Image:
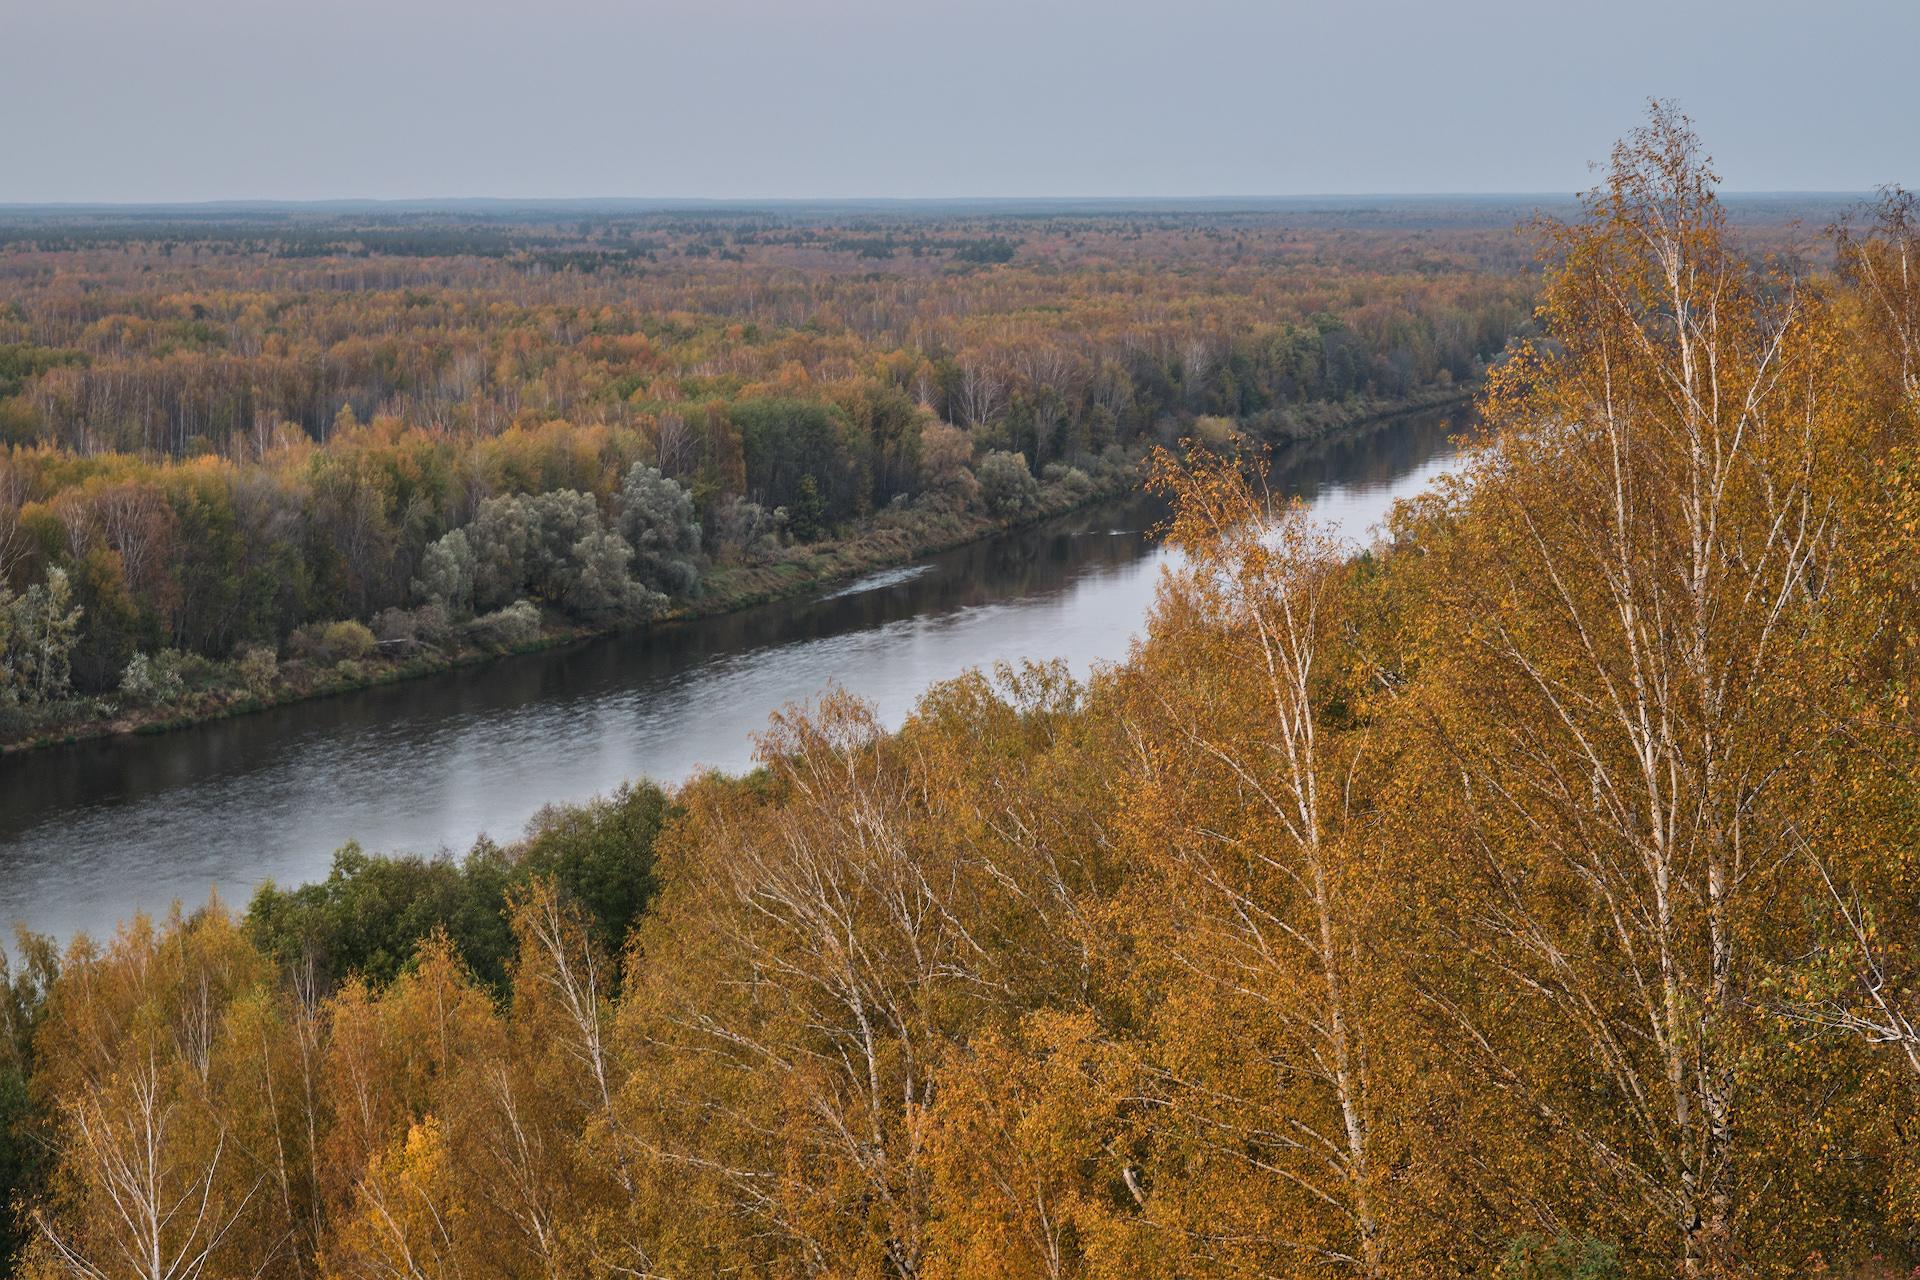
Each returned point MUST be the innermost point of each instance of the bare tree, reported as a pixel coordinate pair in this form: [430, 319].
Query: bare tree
[136, 522]
[163, 1203]
[1884, 265]
[982, 394]
[13, 544]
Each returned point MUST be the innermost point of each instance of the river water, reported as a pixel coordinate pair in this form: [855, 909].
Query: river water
[92, 832]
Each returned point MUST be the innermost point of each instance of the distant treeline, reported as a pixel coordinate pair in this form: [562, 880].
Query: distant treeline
[220, 446]
[1066, 336]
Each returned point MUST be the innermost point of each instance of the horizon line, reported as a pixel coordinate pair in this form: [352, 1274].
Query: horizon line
[260, 202]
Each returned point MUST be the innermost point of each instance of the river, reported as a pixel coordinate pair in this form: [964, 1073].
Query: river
[92, 832]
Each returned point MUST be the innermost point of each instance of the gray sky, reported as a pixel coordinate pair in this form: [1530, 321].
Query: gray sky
[301, 99]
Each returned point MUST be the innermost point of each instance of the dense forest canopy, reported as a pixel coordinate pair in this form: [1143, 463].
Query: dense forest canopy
[180, 338]
[226, 436]
[1531, 897]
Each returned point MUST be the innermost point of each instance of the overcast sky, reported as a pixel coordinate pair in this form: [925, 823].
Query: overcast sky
[303, 99]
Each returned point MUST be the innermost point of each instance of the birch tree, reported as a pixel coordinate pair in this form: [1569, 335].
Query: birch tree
[786, 1053]
[1252, 911]
[1618, 687]
[157, 1172]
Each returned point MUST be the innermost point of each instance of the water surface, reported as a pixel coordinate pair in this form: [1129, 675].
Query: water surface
[91, 832]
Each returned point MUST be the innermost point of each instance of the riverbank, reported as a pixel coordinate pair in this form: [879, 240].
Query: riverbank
[887, 539]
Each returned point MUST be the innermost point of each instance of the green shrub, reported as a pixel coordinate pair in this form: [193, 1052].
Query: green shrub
[601, 855]
[1006, 484]
[344, 641]
[1076, 484]
[258, 668]
[370, 912]
[150, 680]
[513, 627]
[1560, 1257]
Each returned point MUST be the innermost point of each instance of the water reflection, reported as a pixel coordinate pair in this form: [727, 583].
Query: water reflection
[89, 833]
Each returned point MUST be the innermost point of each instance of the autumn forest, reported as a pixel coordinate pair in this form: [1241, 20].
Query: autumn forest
[243, 451]
[1531, 895]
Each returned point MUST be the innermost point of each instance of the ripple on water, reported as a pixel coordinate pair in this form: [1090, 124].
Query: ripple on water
[879, 581]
